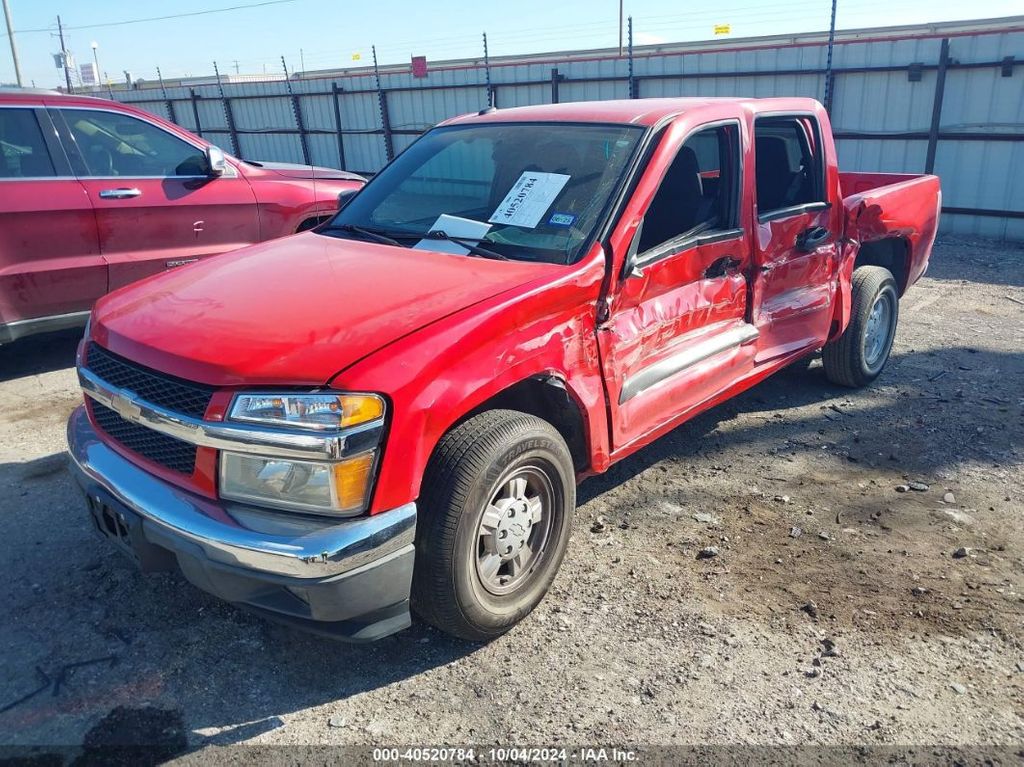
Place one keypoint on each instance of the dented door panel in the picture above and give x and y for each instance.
(794, 290)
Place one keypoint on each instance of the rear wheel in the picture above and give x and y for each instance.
(496, 512)
(857, 357)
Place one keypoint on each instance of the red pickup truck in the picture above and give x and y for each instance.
(95, 195)
(392, 411)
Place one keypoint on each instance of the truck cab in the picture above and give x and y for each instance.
(520, 299)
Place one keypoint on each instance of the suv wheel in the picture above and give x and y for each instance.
(857, 357)
(496, 512)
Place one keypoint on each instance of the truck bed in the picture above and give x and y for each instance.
(901, 206)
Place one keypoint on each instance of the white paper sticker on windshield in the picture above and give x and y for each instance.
(454, 226)
(529, 198)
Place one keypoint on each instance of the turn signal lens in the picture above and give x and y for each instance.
(352, 482)
(360, 408)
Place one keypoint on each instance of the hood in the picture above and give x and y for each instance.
(293, 170)
(295, 310)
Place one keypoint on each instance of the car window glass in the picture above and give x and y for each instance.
(114, 144)
(698, 191)
(787, 168)
(532, 191)
(23, 151)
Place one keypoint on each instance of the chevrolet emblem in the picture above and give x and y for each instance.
(122, 404)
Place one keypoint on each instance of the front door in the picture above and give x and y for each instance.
(796, 250)
(156, 205)
(677, 332)
(50, 262)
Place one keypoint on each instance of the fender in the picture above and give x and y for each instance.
(437, 375)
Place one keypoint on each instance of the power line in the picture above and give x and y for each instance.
(163, 18)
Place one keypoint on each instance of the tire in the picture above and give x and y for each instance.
(857, 357)
(477, 468)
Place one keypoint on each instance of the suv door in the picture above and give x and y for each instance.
(51, 270)
(156, 203)
(796, 251)
(677, 333)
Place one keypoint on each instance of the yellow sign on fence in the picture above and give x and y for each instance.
(722, 29)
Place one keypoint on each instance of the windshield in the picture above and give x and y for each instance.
(522, 191)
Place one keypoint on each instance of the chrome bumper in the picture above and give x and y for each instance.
(276, 549)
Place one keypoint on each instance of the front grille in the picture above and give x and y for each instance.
(158, 388)
(161, 449)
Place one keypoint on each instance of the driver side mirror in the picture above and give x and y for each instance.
(216, 162)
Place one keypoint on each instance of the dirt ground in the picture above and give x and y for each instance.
(838, 609)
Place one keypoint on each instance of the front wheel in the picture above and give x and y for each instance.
(496, 512)
(857, 357)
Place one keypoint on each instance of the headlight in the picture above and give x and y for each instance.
(341, 488)
(307, 411)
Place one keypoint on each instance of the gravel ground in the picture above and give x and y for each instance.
(838, 610)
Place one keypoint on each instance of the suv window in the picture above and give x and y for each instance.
(23, 151)
(698, 192)
(115, 144)
(788, 167)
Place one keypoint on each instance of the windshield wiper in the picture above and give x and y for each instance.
(472, 244)
(369, 233)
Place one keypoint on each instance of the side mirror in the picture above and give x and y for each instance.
(216, 162)
(344, 198)
(630, 268)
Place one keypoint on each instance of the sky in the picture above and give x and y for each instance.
(251, 36)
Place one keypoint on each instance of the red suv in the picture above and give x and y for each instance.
(95, 195)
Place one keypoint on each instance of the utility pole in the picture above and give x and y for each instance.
(620, 29)
(829, 74)
(14, 47)
(64, 56)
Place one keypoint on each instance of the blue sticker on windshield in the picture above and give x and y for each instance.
(562, 219)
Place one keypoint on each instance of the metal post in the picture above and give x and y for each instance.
(829, 74)
(229, 114)
(167, 102)
(195, 110)
(336, 90)
(556, 78)
(632, 80)
(487, 75)
(64, 53)
(382, 103)
(297, 111)
(940, 88)
(14, 47)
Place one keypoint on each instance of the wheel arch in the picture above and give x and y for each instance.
(548, 397)
(893, 253)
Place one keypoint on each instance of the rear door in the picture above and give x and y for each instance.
(50, 262)
(796, 247)
(677, 333)
(156, 205)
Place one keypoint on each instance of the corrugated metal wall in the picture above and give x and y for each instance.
(883, 100)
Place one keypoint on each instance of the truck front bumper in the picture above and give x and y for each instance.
(349, 579)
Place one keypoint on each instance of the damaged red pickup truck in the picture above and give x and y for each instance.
(392, 411)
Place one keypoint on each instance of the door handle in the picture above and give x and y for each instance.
(722, 267)
(812, 238)
(120, 194)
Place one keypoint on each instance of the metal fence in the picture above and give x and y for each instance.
(946, 98)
